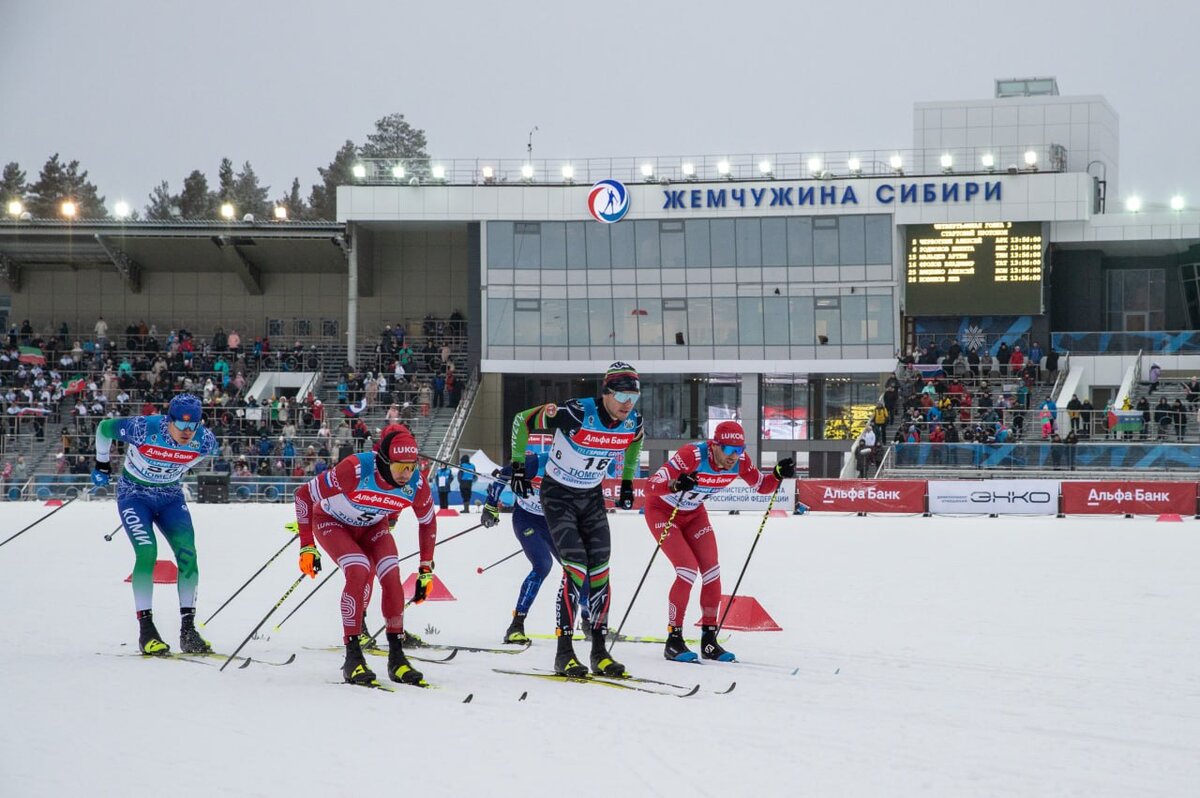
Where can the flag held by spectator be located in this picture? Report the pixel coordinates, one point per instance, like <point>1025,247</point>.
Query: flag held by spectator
<point>32,355</point>
<point>75,386</point>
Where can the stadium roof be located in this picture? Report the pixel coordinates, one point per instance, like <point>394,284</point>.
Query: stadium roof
<point>247,249</point>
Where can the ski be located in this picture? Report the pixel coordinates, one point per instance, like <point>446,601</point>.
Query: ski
<point>644,680</point>
<point>255,660</point>
<point>513,649</point>
<point>617,684</point>
<point>695,641</point>
<point>383,652</point>
<point>387,688</point>
<point>171,656</point>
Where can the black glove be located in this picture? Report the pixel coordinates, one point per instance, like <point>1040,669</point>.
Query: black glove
<point>625,502</point>
<point>424,582</point>
<point>101,473</point>
<point>490,517</point>
<point>785,468</point>
<point>519,482</point>
<point>683,483</point>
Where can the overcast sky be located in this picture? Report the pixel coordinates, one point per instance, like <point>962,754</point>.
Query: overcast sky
<point>140,92</point>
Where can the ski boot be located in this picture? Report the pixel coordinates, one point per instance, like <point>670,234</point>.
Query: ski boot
<point>190,641</point>
<point>399,668</point>
<point>516,630</point>
<point>711,649</point>
<point>365,641</point>
<point>565,663</point>
<point>602,662</point>
<point>677,650</point>
<point>150,642</point>
<point>412,641</point>
<point>354,669</point>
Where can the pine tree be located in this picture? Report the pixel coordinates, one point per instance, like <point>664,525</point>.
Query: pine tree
<point>248,195</point>
<point>323,198</point>
<point>12,184</point>
<point>163,206</point>
<point>58,182</point>
<point>293,202</point>
<point>225,190</point>
<point>195,201</point>
<point>395,138</point>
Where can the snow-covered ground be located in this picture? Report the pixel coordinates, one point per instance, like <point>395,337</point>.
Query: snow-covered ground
<point>942,656</point>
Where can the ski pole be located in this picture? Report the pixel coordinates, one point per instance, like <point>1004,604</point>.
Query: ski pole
<point>738,584</point>
<point>110,535</point>
<point>481,569</point>
<point>44,517</point>
<point>417,552</point>
<point>253,631</point>
<point>248,581</point>
<point>334,571</point>
<point>657,546</point>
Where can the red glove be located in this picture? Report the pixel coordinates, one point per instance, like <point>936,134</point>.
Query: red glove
<point>310,561</point>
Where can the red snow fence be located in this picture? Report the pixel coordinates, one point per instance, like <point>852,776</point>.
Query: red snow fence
<point>746,615</point>
<point>437,591</point>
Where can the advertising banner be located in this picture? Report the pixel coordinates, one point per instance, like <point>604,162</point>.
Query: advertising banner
<point>861,495</point>
<point>999,496</point>
<point>738,496</point>
<point>1138,498</point>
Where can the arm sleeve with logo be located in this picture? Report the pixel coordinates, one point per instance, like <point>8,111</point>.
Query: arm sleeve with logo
<point>426,520</point>
<point>684,461</point>
<point>107,431</point>
<point>328,483</point>
<point>540,417</point>
<point>763,483</point>
<point>633,454</point>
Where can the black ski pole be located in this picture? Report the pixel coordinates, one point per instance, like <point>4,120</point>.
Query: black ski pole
<point>738,584</point>
<point>480,569</point>
<point>657,546</point>
<point>110,535</point>
<point>320,585</point>
<point>253,631</point>
<point>248,581</point>
<point>44,517</point>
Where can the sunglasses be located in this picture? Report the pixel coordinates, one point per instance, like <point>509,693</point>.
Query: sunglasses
<point>186,425</point>
<point>626,396</point>
<point>733,451</point>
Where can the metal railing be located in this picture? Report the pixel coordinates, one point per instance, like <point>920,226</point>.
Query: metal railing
<point>462,413</point>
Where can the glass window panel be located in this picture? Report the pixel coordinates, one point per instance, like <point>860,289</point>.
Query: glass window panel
<point>554,322</point>
<point>774,242</point>
<point>827,320</point>
<point>854,319</point>
<point>800,241</point>
<point>500,322</point>
<point>696,232</point>
<point>775,320</point>
<point>554,245</point>
<point>527,322</point>
<point>527,245</point>
<point>750,321</point>
<point>576,245</point>
<point>700,326</point>
<point>825,242</point>
<point>577,322</point>
<point>650,322</point>
<point>878,239</point>
<point>600,321</point>
<point>675,318</point>
<point>597,246</point>
<point>801,315</point>
<point>625,320</point>
<point>500,245</point>
<point>646,233</point>
<point>1115,294</point>
<point>880,320</point>
<point>622,237</point>
<point>725,321</point>
<point>674,245</point>
<point>851,240</point>
<point>722,245</point>
<point>749,242</point>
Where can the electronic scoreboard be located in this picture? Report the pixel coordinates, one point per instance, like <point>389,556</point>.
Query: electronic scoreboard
<point>974,269</point>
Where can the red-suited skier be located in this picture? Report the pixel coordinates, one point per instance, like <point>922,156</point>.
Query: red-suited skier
<point>690,476</point>
<point>349,511</point>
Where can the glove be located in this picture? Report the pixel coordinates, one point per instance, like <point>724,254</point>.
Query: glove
<point>310,561</point>
<point>519,482</point>
<point>785,468</point>
<point>293,527</point>
<point>423,584</point>
<point>625,501</point>
<point>490,517</point>
<point>683,483</point>
<point>101,474</point>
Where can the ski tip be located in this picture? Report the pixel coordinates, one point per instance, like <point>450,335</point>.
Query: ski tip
<point>277,628</point>
<point>728,689</point>
<point>524,695</point>
<point>244,665</point>
<point>290,659</point>
<point>835,672</point>
<point>467,700</point>
<point>796,671</point>
<point>453,654</point>
<point>691,692</point>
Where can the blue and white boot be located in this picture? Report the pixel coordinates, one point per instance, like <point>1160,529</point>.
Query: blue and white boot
<point>676,650</point>
<point>711,649</point>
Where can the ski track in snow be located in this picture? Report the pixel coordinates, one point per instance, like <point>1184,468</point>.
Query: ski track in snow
<point>943,656</point>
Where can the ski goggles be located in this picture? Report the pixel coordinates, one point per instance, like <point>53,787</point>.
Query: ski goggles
<point>186,425</point>
<point>626,396</point>
<point>733,451</point>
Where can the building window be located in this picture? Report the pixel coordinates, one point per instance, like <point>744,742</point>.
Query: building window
<point>1137,300</point>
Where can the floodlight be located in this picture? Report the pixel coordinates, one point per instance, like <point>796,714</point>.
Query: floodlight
<point>1133,204</point>
<point>855,166</point>
<point>814,165</point>
<point>489,174</point>
<point>68,209</point>
<point>121,209</point>
<point>764,168</point>
<point>988,160</point>
<point>527,171</point>
<point>723,168</point>
<point>896,162</point>
<point>689,169</point>
<point>359,171</point>
<point>15,207</point>
<point>227,210</point>
<point>398,171</point>
<point>280,213</point>
<point>1031,158</point>
<point>438,171</point>
<point>947,161</point>
<point>1177,202</point>
<point>568,172</point>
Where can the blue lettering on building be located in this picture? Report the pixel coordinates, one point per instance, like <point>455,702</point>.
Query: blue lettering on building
<point>831,194</point>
